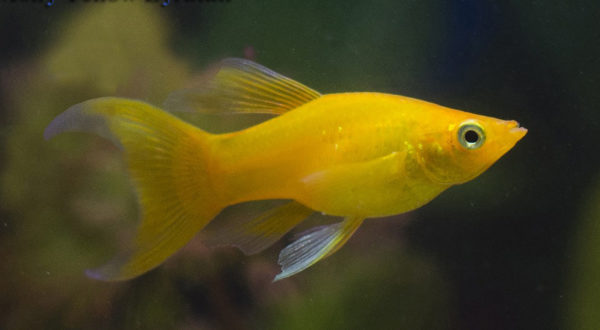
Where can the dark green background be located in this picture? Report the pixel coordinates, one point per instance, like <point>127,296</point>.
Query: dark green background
<point>517,248</point>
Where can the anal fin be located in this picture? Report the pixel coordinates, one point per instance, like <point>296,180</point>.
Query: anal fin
<point>256,234</point>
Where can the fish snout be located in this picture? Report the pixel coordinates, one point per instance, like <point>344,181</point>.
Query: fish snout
<point>516,129</point>
<point>513,128</point>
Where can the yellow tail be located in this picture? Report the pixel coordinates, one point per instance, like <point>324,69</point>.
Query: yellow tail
<point>168,162</point>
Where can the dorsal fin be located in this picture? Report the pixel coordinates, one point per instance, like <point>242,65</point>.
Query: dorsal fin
<point>242,86</point>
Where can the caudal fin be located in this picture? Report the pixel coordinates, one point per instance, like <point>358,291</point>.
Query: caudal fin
<point>167,160</point>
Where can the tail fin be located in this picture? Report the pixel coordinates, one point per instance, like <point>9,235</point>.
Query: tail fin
<point>167,160</point>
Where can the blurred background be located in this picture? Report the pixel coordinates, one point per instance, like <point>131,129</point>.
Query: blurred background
<point>517,248</point>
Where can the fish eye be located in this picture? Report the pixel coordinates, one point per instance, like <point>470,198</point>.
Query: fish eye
<point>471,135</point>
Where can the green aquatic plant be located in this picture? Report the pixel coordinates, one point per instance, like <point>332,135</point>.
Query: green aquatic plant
<point>584,286</point>
<point>66,200</point>
<point>44,195</point>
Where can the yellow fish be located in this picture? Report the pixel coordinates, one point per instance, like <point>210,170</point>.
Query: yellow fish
<point>353,155</point>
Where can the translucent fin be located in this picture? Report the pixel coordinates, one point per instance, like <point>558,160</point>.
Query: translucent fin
<point>242,86</point>
<point>315,245</point>
<point>256,234</point>
<point>78,119</point>
<point>166,159</point>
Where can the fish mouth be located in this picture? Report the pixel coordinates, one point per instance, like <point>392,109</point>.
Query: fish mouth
<point>515,129</point>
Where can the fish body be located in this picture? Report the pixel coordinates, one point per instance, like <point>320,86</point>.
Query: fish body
<point>287,156</point>
<point>354,155</point>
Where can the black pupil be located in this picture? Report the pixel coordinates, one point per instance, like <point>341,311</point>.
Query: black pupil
<point>471,136</point>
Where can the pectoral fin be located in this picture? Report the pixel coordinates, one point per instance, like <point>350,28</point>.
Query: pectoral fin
<point>315,245</point>
<point>362,184</point>
<point>242,86</point>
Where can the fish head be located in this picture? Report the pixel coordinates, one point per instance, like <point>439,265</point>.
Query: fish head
<point>464,145</point>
